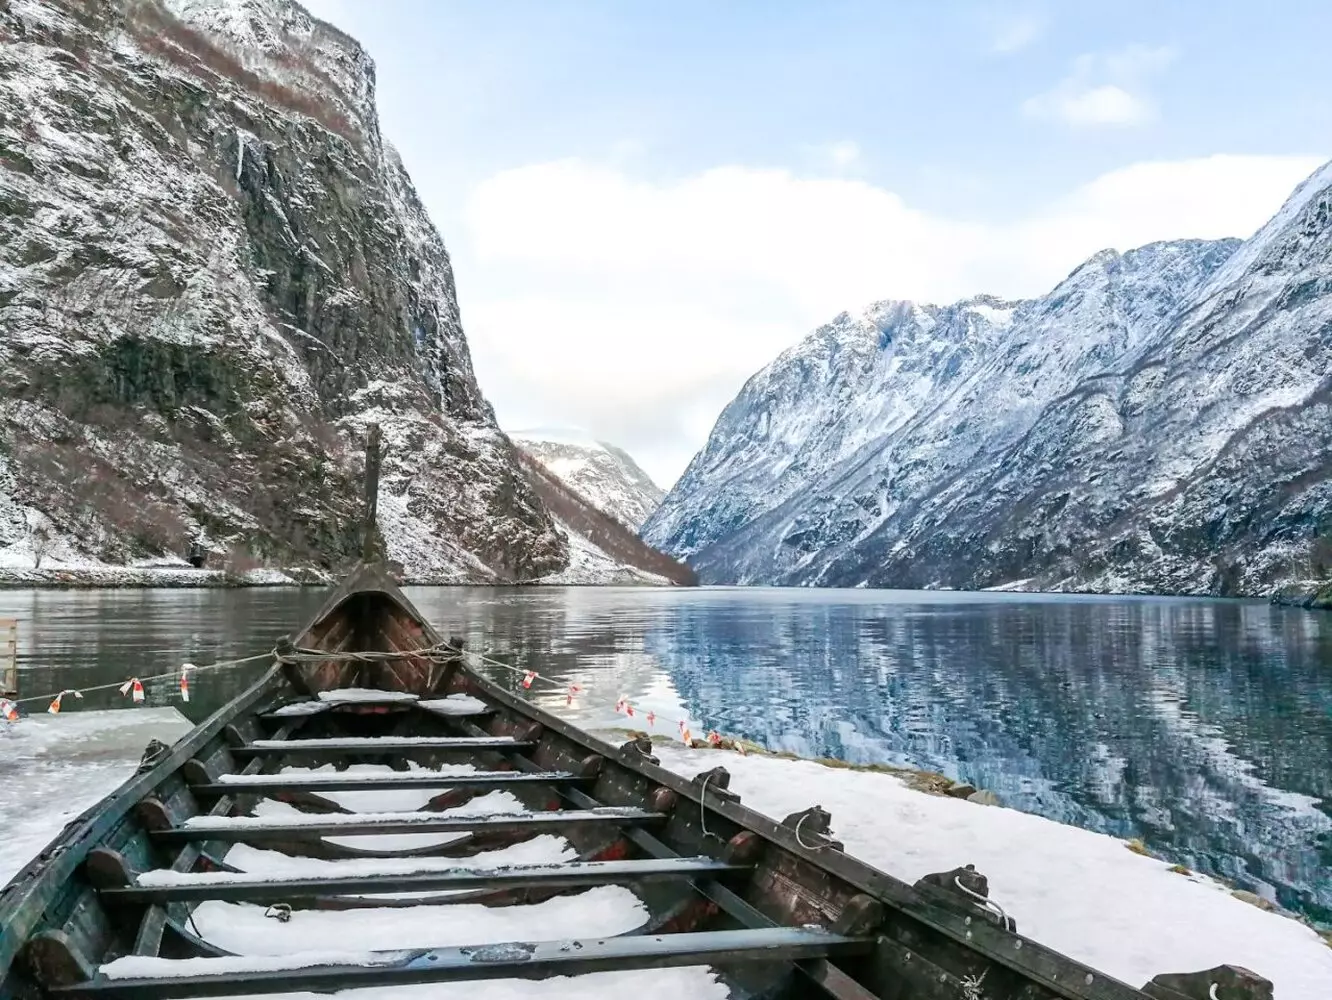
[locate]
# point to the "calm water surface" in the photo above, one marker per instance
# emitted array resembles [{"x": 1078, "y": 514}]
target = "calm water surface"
[{"x": 1202, "y": 727}]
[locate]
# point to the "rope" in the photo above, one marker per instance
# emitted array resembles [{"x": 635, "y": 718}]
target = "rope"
[
  {"x": 703, "y": 806},
  {"x": 986, "y": 901},
  {"x": 809, "y": 847},
  {"x": 151, "y": 677},
  {"x": 530, "y": 677},
  {"x": 285, "y": 656},
  {"x": 295, "y": 655}
]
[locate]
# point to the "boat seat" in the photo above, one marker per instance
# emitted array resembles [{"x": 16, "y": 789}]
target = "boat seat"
[
  {"x": 397, "y": 745},
  {"x": 162, "y": 886},
  {"x": 256, "y": 829},
  {"x": 268, "y": 784},
  {"x": 141, "y": 978}
]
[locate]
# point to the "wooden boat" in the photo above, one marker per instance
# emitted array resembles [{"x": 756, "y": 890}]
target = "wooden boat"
[{"x": 230, "y": 865}]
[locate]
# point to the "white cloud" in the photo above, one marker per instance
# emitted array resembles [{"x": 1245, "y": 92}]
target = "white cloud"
[
  {"x": 1103, "y": 105},
  {"x": 637, "y": 308},
  {"x": 1017, "y": 34},
  {"x": 1104, "y": 89}
]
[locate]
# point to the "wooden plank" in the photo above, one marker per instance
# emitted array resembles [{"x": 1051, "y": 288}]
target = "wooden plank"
[
  {"x": 1047, "y": 969},
  {"x": 255, "y": 829},
  {"x": 396, "y": 745},
  {"x": 9, "y": 657},
  {"x": 149, "y": 939},
  {"x": 23, "y": 905},
  {"x": 831, "y": 980},
  {"x": 384, "y": 782},
  {"x": 208, "y": 885},
  {"x": 518, "y": 960}
]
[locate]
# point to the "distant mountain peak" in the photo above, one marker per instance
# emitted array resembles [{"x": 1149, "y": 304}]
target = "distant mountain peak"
[
  {"x": 917, "y": 444},
  {"x": 606, "y": 475}
]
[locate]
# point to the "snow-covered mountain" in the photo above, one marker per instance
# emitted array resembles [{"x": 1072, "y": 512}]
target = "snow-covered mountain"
[
  {"x": 603, "y": 549},
  {"x": 1157, "y": 422},
  {"x": 214, "y": 274},
  {"x": 604, "y": 474}
]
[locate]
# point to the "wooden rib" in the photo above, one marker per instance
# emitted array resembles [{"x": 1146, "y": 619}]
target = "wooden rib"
[
  {"x": 543, "y": 876},
  {"x": 819, "y": 971},
  {"x": 376, "y": 746},
  {"x": 148, "y": 940},
  {"x": 252, "y": 829},
  {"x": 389, "y": 782},
  {"x": 518, "y": 960}
]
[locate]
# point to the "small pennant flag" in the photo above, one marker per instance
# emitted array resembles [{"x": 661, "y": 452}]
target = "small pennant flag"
[
  {"x": 133, "y": 686},
  {"x": 652, "y": 719},
  {"x": 185, "y": 669},
  {"x": 621, "y": 704},
  {"x": 528, "y": 677},
  {"x": 54, "y": 708},
  {"x": 685, "y": 737},
  {"x": 573, "y": 690},
  {"x": 714, "y": 738},
  {"x": 8, "y": 710}
]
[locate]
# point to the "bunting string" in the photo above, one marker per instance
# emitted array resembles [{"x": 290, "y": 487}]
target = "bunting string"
[
  {"x": 134, "y": 687},
  {"x": 623, "y": 704}
]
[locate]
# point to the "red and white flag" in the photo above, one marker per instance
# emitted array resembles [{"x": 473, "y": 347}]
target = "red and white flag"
[
  {"x": 528, "y": 677},
  {"x": 54, "y": 707},
  {"x": 185, "y": 669},
  {"x": 8, "y": 710},
  {"x": 133, "y": 687}
]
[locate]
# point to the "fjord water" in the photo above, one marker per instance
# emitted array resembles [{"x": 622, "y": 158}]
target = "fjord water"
[{"x": 1203, "y": 727}]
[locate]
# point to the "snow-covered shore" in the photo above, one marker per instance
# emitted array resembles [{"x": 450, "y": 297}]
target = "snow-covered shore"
[{"x": 1082, "y": 893}]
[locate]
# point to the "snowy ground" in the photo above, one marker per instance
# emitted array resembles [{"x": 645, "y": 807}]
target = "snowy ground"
[
  {"x": 1082, "y": 893},
  {"x": 52, "y": 767},
  {"x": 17, "y": 570}
]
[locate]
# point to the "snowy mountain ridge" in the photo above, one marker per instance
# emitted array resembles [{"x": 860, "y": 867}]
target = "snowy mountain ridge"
[
  {"x": 214, "y": 275},
  {"x": 1087, "y": 439},
  {"x": 601, "y": 472}
]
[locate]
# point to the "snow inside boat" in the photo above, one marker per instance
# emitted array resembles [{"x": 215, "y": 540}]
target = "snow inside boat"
[{"x": 375, "y": 815}]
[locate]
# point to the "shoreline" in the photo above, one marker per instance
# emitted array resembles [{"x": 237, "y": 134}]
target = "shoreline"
[
  {"x": 940, "y": 786},
  {"x": 178, "y": 576}
]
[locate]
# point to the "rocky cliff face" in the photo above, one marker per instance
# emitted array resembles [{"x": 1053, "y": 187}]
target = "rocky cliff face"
[
  {"x": 1158, "y": 422},
  {"x": 604, "y": 474},
  {"x": 213, "y": 275}
]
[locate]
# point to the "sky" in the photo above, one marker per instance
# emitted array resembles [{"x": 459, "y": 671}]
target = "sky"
[{"x": 646, "y": 202}]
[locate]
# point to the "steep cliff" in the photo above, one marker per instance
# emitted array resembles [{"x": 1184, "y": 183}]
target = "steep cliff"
[
  {"x": 213, "y": 274},
  {"x": 1158, "y": 422}
]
